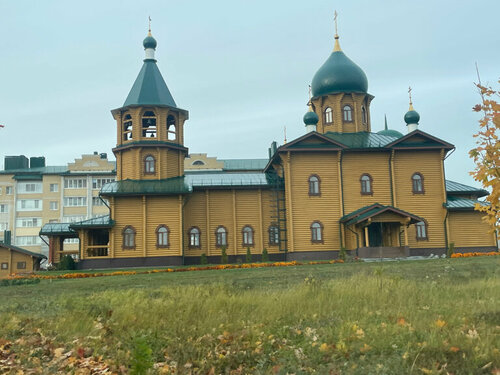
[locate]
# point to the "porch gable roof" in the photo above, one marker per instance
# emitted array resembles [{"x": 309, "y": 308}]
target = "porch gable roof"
[{"x": 367, "y": 212}]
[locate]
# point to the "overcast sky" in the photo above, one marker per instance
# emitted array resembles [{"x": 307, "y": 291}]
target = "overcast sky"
[{"x": 241, "y": 68}]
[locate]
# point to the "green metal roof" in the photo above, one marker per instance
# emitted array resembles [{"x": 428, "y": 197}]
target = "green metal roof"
[
  {"x": 459, "y": 204},
  {"x": 38, "y": 170},
  {"x": 457, "y": 188},
  {"x": 24, "y": 251},
  {"x": 30, "y": 177},
  {"x": 244, "y": 164},
  {"x": 100, "y": 221},
  {"x": 375, "y": 209},
  {"x": 54, "y": 229},
  {"x": 149, "y": 88},
  {"x": 361, "y": 139}
]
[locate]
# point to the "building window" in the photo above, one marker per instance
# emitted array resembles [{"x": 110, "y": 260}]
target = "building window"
[
  {"x": 54, "y": 188},
  {"x": 198, "y": 162},
  {"x": 316, "y": 232},
  {"x": 128, "y": 237},
  {"x": 421, "y": 229},
  {"x": 4, "y": 226},
  {"x": 28, "y": 222},
  {"x": 30, "y": 187},
  {"x": 194, "y": 237},
  {"x": 363, "y": 115},
  {"x": 4, "y": 208},
  {"x": 75, "y": 201},
  {"x": 98, "y": 201},
  {"x": 221, "y": 236},
  {"x": 274, "y": 235},
  {"x": 29, "y": 205},
  {"x": 347, "y": 111},
  {"x": 75, "y": 183},
  {"x": 149, "y": 164},
  {"x": 28, "y": 240},
  {"x": 8, "y": 190},
  {"x": 328, "y": 115},
  {"x": 149, "y": 124},
  {"x": 5, "y": 266},
  {"x": 247, "y": 233},
  {"x": 314, "y": 185},
  {"x": 417, "y": 181},
  {"x": 127, "y": 128},
  {"x": 21, "y": 265},
  {"x": 171, "y": 128},
  {"x": 162, "y": 234},
  {"x": 98, "y": 183},
  {"x": 366, "y": 184},
  {"x": 54, "y": 205}
]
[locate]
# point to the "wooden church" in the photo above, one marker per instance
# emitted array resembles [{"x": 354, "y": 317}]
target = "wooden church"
[{"x": 339, "y": 186}]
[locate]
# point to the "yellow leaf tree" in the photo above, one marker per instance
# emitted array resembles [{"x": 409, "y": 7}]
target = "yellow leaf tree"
[{"x": 486, "y": 154}]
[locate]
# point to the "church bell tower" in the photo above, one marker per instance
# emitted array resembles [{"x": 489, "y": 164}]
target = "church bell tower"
[{"x": 150, "y": 126}]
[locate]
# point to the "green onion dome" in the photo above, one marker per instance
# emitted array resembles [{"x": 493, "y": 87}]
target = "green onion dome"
[
  {"x": 412, "y": 117},
  {"x": 339, "y": 74},
  {"x": 311, "y": 118},
  {"x": 390, "y": 133},
  {"x": 149, "y": 42}
]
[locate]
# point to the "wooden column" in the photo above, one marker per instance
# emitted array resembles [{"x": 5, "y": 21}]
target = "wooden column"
[
  {"x": 234, "y": 223},
  {"x": 406, "y": 234},
  {"x": 261, "y": 223},
  {"x": 181, "y": 226},
  {"x": 112, "y": 230},
  {"x": 144, "y": 223},
  {"x": 367, "y": 240}
]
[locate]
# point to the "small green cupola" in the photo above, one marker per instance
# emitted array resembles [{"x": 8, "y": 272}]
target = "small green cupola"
[
  {"x": 411, "y": 117},
  {"x": 149, "y": 41},
  {"x": 311, "y": 118},
  {"x": 389, "y": 132}
]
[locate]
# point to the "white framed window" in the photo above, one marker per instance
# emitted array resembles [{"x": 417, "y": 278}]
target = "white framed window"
[
  {"x": 28, "y": 222},
  {"x": 4, "y": 208},
  {"x": 162, "y": 233},
  {"x": 8, "y": 190},
  {"x": 54, "y": 205},
  {"x": 316, "y": 232},
  {"x": 4, "y": 226},
  {"x": 328, "y": 115},
  {"x": 29, "y": 205},
  {"x": 74, "y": 218},
  {"x": 75, "y": 183},
  {"x": 247, "y": 233},
  {"x": 75, "y": 201},
  {"x": 421, "y": 229},
  {"x": 221, "y": 237},
  {"x": 28, "y": 240},
  {"x": 54, "y": 188},
  {"x": 347, "y": 111},
  {"x": 274, "y": 235},
  {"x": 96, "y": 201},
  {"x": 29, "y": 187},
  {"x": 98, "y": 183},
  {"x": 194, "y": 237}
]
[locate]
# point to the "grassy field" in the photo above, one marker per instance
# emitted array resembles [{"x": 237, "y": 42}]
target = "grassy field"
[{"x": 422, "y": 317}]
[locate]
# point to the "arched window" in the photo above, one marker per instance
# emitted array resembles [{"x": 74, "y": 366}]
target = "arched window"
[
  {"x": 274, "y": 235},
  {"x": 314, "y": 185},
  {"x": 194, "y": 237},
  {"x": 127, "y": 128},
  {"x": 366, "y": 184},
  {"x": 171, "y": 128},
  {"x": 421, "y": 229},
  {"x": 328, "y": 115},
  {"x": 149, "y": 164},
  {"x": 162, "y": 234},
  {"x": 149, "y": 124},
  {"x": 363, "y": 115},
  {"x": 347, "y": 111},
  {"x": 198, "y": 162},
  {"x": 247, "y": 233},
  {"x": 417, "y": 182},
  {"x": 128, "y": 235},
  {"x": 220, "y": 237},
  {"x": 316, "y": 232}
]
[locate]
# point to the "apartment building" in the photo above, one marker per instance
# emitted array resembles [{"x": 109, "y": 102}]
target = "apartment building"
[{"x": 33, "y": 194}]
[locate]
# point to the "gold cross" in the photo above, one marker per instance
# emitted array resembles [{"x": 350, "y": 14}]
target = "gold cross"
[
  {"x": 310, "y": 93},
  {"x": 409, "y": 93},
  {"x": 149, "y": 23},
  {"x": 335, "y": 20}
]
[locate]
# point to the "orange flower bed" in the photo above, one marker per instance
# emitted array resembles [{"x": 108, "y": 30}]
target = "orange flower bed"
[
  {"x": 474, "y": 254},
  {"x": 81, "y": 275}
]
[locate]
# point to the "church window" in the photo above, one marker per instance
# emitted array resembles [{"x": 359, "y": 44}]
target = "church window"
[
  {"x": 149, "y": 164},
  {"x": 149, "y": 124},
  {"x": 198, "y": 162},
  {"x": 128, "y": 237},
  {"x": 171, "y": 128},
  {"x": 247, "y": 233},
  {"x": 347, "y": 113},
  {"x": 421, "y": 229},
  {"x": 316, "y": 232},
  {"x": 274, "y": 235},
  {"x": 328, "y": 115},
  {"x": 366, "y": 184},
  {"x": 194, "y": 237},
  {"x": 162, "y": 234},
  {"x": 363, "y": 115},
  {"x": 127, "y": 128},
  {"x": 221, "y": 236},
  {"x": 314, "y": 185},
  {"x": 417, "y": 181}
]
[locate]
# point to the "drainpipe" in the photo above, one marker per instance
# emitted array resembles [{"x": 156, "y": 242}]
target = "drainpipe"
[
  {"x": 357, "y": 239},
  {"x": 445, "y": 231}
]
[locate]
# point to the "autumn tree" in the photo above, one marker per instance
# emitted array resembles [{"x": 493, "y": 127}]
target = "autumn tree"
[{"x": 486, "y": 154}]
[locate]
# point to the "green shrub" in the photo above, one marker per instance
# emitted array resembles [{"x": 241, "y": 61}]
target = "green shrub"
[
  {"x": 342, "y": 254},
  {"x": 203, "y": 259},
  {"x": 142, "y": 357},
  {"x": 265, "y": 255},
  {"x": 451, "y": 250},
  {"x": 248, "y": 257},
  {"x": 66, "y": 263},
  {"x": 223, "y": 255}
]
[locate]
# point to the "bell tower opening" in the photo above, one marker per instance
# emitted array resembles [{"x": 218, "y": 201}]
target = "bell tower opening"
[{"x": 149, "y": 124}]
